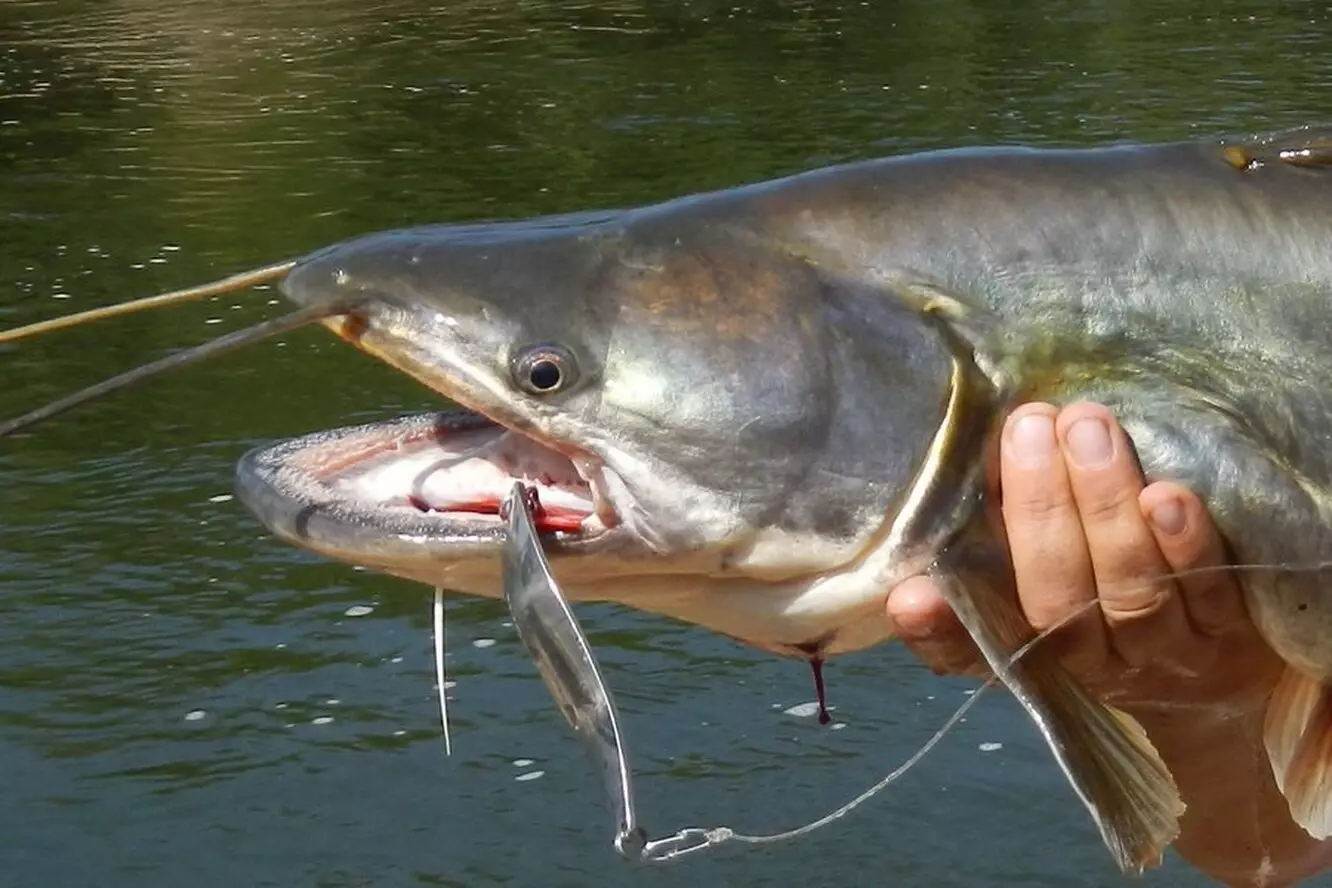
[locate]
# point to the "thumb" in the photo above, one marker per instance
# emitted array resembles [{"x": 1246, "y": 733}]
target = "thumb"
[{"x": 926, "y": 625}]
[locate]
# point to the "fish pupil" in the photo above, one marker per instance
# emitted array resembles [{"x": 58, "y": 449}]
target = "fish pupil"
[{"x": 544, "y": 375}]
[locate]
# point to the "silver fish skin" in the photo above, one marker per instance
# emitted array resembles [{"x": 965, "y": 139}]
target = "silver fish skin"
[{"x": 777, "y": 401}]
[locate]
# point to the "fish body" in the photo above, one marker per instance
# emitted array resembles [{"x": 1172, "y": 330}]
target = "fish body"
[{"x": 757, "y": 410}]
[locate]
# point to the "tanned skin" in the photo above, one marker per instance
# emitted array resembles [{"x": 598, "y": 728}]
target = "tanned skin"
[{"x": 1181, "y": 655}]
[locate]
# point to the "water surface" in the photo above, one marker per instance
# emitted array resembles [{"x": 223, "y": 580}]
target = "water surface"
[{"x": 183, "y": 700}]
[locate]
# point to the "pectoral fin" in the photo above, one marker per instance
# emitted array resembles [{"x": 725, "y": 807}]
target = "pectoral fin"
[
  {"x": 1105, "y": 754},
  {"x": 1298, "y": 736}
]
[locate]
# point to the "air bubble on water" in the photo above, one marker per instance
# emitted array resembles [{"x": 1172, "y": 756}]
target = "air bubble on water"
[
  {"x": 359, "y": 610},
  {"x": 332, "y": 701},
  {"x": 804, "y": 710},
  {"x": 400, "y": 733},
  {"x": 483, "y": 642},
  {"x": 213, "y": 321},
  {"x": 837, "y": 726},
  {"x": 195, "y": 715},
  {"x": 321, "y": 720},
  {"x": 530, "y": 775},
  {"x": 523, "y": 763},
  {"x": 990, "y": 747},
  {"x": 221, "y": 498}
]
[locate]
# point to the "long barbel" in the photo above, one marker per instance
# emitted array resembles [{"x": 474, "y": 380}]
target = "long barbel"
[
  {"x": 231, "y": 341},
  {"x": 231, "y": 284},
  {"x": 220, "y": 345}
]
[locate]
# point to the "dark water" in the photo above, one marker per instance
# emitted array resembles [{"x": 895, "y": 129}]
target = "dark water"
[{"x": 184, "y": 701}]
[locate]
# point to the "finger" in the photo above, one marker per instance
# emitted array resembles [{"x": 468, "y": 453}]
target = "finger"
[
  {"x": 1050, "y": 560},
  {"x": 927, "y": 625},
  {"x": 1142, "y": 608},
  {"x": 1188, "y": 540}
]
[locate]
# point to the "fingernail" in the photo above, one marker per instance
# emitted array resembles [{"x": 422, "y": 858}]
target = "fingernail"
[
  {"x": 1169, "y": 517},
  {"x": 1033, "y": 440},
  {"x": 1089, "y": 443}
]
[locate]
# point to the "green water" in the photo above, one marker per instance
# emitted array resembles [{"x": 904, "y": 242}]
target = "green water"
[{"x": 184, "y": 701}]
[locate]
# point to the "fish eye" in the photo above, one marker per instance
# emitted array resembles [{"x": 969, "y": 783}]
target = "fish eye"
[{"x": 545, "y": 369}]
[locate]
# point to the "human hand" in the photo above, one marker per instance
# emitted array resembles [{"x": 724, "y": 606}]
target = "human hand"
[{"x": 1082, "y": 527}]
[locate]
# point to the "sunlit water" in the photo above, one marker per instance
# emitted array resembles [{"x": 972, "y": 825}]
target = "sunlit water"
[{"x": 185, "y": 701}]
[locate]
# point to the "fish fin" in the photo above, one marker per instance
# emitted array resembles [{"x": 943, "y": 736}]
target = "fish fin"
[
  {"x": 1104, "y": 753},
  {"x": 1298, "y": 735}
]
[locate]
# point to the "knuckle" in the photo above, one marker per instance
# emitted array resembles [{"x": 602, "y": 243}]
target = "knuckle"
[
  {"x": 944, "y": 657},
  {"x": 1038, "y": 509},
  {"x": 1079, "y": 646},
  {"x": 1131, "y": 601},
  {"x": 1217, "y": 609},
  {"x": 1111, "y": 501}
]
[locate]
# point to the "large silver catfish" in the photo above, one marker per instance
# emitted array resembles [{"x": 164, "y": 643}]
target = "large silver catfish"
[{"x": 757, "y": 410}]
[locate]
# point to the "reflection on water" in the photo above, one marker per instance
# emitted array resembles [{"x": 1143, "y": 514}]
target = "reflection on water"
[{"x": 184, "y": 699}]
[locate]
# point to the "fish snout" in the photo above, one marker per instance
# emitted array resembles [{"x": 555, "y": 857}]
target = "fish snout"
[{"x": 323, "y": 279}]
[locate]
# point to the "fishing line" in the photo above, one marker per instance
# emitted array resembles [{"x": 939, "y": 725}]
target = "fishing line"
[
  {"x": 229, "y": 342},
  {"x": 240, "y": 281},
  {"x": 718, "y": 835},
  {"x": 1254, "y": 567},
  {"x": 438, "y": 622},
  {"x": 560, "y": 649}
]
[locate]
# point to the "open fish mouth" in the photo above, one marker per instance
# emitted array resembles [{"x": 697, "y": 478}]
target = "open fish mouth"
[{"x": 384, "y": 494}]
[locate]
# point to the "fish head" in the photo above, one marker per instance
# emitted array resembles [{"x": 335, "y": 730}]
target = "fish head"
[{"x": 716, "y": 428}]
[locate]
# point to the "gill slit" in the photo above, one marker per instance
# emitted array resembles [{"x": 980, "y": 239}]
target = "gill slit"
[{"x": 908, "y": 517}]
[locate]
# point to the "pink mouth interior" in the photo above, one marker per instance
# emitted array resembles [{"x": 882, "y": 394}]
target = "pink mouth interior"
[
  {"x": 467, "y": 471},
  {"x": 547, "y": 519}
]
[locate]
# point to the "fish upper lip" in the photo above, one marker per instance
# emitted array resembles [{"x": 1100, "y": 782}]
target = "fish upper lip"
[{"x": 361, "y": 326}]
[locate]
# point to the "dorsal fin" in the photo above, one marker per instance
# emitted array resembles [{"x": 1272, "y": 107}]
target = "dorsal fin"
[{"x": 1308, "y": 146}]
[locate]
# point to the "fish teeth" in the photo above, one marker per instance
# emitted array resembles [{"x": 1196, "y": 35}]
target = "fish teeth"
[{"x": 591, "y": 470}]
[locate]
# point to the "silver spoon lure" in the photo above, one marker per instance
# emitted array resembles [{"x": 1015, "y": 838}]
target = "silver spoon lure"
[{"x": 556, "y": 642}]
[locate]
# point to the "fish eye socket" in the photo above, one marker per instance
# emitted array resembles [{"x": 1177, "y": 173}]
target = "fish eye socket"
[{"x": 545, "y": 369}]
